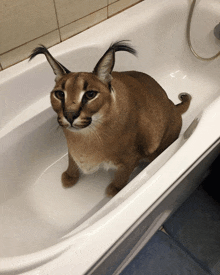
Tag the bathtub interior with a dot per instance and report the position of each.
(36, 211)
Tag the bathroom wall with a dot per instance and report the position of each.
(24, 24)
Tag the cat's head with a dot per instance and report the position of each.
(82, 99)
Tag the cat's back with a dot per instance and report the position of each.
(141, 89)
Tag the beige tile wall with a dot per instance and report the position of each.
(24, 24)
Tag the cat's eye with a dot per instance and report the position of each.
(59, 94)
(90, 95)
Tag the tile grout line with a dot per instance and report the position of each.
(130, 6)
(49, 33)
(59, 28)
(57, 19)
(85, 29)
(29, 42)
(83, 17)
(103, 9)
(71, 23)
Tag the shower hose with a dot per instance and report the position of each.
(189, 39)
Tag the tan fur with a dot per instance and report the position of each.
(121, 125)
(134, 121)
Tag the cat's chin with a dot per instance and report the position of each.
(76, 129)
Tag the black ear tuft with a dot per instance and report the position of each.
(105, 65)
(123, 46)
(58, 68)
(39, 50)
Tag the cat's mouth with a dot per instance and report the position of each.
(82, 123)
(75, 125)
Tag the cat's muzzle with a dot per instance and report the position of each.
(71, 116)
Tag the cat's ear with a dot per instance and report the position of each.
(105, 65)
(58, 69)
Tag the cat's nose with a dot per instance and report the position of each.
(70, 116)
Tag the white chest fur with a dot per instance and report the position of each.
(88, 166)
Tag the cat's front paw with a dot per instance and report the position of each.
(111, 190)
(68, 181)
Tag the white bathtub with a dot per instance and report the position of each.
(45, 229)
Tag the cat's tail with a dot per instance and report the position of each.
(184, 105)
